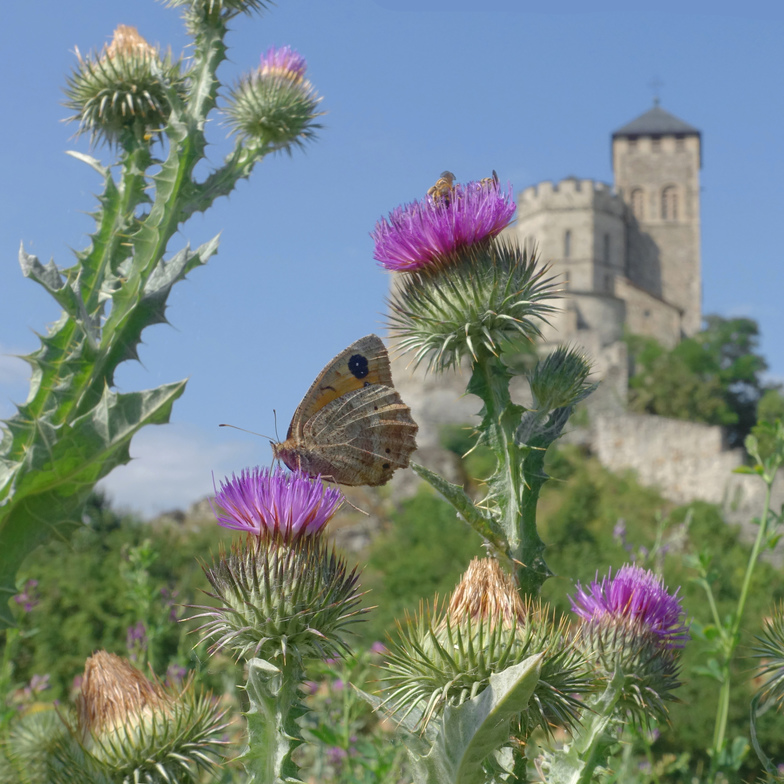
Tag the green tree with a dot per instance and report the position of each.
(714, 377)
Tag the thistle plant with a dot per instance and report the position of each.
(151, 110)
(464, 294)
(482, 684)
(282, 597)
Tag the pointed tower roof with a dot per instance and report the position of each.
(656, 122)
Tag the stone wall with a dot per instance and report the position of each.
(686, 461)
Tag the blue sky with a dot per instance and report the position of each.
(532, 90)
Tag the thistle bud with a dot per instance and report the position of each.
(560, 380)
(632, 626)
(446, 657)
(274, 106)
(123, 89)
(137, 728)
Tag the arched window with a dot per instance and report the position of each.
(567, 244)
(669, 203)
(637, 199)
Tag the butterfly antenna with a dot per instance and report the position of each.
(252, 432)
(275, 420)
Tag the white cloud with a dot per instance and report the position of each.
(173, 466)
(14, 382)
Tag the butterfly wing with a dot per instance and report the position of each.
(360, 438)
(364, 362)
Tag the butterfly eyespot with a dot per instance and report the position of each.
(387, 450)
(358, 365)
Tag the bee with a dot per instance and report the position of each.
(490, 180)
(443, 189)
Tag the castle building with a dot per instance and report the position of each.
(628, 255)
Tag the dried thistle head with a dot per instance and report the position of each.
(447, 654)
(132, 728)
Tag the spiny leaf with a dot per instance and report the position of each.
(61, 467)
(472, 731)
(483, 524)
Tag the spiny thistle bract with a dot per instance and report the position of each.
(769, 649)
(124, 89)
(475, 300)
(446, 656)
(278, 599)
(134, 729)
(633, 626)
(32, 744)
(274, 106)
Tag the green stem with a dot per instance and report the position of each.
(273, 732)
(499, 432)
(589, 750)
(517, 482)
(733, 638)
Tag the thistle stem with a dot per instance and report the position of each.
(733, 638)
(520, 474)
(273, 732)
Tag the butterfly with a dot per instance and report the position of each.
(352, 426)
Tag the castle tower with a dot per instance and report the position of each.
(656, 163)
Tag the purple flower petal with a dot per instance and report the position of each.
(273, 501)
(420, 233)
(636, 595)
(283, 61)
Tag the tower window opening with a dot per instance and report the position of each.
(680, 143)
(637, 199)
(669, 203)
(655, 143)
(567, 244)
(606, 249)
(632, 144)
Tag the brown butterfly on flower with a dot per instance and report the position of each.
(352, 426)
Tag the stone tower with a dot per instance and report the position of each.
(656, 164)
(628, 255)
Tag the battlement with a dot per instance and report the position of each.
(569, 194)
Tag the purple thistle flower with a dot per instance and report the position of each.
(635, 596)
(419, 234)
(175, 674)
(136, 641)
(283, 61)
(29, 597)
(275, 502)
(336, 755)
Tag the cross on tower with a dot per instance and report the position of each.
(656, 84)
